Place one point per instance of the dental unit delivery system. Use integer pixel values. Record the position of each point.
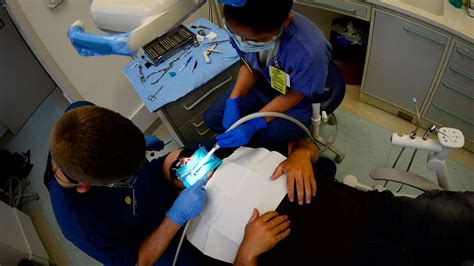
(447, 140)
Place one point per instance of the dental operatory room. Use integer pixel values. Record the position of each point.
(237, 132)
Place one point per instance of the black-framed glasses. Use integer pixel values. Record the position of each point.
(126, 182)
(69, 179)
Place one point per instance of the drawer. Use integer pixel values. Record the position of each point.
(444, 117)
(195, 130)
(341, 6)
(463, 56)
(460, 74)
(456, 98)
(200, 99)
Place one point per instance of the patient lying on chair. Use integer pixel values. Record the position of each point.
(344, 226)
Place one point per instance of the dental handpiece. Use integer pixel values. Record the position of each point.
(206, 158)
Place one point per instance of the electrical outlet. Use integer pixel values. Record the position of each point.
(53, 3)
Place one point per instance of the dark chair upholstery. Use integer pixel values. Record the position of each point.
(334, 91)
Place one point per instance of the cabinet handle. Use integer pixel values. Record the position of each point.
(202, 133)
(408, 29)
(336, 7)
(464, 51)
(449, 86)
(189, 108)
(461, 72)
(453, 114)
(199, 124)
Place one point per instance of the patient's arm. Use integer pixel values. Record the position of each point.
(261, 234)
(299, 170)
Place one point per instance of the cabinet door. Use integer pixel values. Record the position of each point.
(23, 82)
(353, 8)
(403, 61)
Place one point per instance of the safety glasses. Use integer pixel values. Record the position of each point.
(126, 182)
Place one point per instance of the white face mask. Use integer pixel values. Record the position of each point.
(251, 46)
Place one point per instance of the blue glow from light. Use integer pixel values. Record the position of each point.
(189, 178)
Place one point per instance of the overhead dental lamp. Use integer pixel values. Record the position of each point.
(133, 24)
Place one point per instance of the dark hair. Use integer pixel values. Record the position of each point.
(262, 16)
(96, 145)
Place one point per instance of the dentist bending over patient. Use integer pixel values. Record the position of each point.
(109, 201)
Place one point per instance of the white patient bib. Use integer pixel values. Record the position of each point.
(240, 184)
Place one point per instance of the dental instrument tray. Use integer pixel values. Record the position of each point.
(158, 85)
(163, 47)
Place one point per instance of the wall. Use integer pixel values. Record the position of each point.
(98, 79)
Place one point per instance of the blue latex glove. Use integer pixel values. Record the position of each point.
(189, 203)
(234, 3)
(231, 112)
(241, 135)
(153, 143)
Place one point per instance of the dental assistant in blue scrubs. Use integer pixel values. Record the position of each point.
(285, 59)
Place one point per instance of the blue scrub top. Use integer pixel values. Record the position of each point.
(304, 54)
(102, 223)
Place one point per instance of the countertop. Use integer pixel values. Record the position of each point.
(454, 20)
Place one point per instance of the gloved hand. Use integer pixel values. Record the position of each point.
(231, 112)
(153, 143)
(189, 203)
(241, 135)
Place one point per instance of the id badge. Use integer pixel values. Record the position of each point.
(279, 79)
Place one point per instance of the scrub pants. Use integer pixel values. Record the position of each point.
(278, 130)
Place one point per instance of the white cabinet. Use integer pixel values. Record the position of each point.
(18, 238)
(353, 8)
(403, 61)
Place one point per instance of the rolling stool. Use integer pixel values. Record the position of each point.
(325, 104)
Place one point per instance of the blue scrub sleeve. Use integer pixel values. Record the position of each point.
(105, 242)
(310, 75)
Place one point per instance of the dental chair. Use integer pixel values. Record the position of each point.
(324, 105)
